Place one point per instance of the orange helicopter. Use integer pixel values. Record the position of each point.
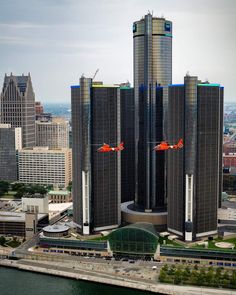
(106, 148)
(163, 146)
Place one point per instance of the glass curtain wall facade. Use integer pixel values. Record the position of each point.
(96, 176)
(8, 159)
(106, 167)
(152, 67)
(135, 239)
(127, 136)
(194, 173)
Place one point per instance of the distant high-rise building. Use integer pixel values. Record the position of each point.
(52, 133)
(41, 165)
(44, 117)
(96, 176)
(194, 173)
(152, 67)
(10, 142)
(17, 106)
(38, 108)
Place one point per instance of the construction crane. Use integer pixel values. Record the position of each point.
(95, 74)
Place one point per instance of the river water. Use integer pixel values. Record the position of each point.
(17, 282)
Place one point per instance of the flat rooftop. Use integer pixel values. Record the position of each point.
(60, 207)
(16, 216)
(61, 193)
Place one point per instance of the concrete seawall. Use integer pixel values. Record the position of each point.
(112, 280)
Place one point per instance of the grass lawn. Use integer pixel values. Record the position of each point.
(13, 244)
(232, 240)
(9, 195)
(211, 245)
(169, 242)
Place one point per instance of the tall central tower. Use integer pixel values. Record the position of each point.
(152, 68)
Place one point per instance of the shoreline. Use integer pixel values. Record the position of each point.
(94, 277)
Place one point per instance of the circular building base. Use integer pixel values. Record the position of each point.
(56, 231)
(130, 215)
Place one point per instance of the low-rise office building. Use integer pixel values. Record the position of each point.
(35, 204)
(229, 160)
(61, 196)
(19, 224)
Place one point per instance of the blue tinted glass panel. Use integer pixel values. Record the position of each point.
(167, 27)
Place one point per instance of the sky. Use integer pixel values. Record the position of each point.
(59, 40)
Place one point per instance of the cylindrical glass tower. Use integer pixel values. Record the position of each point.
(152, 69)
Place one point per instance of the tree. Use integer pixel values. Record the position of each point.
(162, 276)
(226, 276)
(49, 187)
(20, 192)
(202, 276)
(16, 186)
(4, 187)
(69, 187)
(41, 190)
(233, 279)
(194, 277)
(177, 279)
(165, 267)
(210, 276)
(186, 273)
(2, 241)
(178, 276)
(29, 189)
(171, 270)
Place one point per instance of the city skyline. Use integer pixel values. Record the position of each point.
(71, 37)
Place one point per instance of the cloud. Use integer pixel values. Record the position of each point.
(12, 40)
(22, 25)
(32, 25)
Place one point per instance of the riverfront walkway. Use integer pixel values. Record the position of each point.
(136, 277)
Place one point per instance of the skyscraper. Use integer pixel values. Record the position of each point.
(152, 67)
(17, 106)
(96, 176)
(194, 174)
